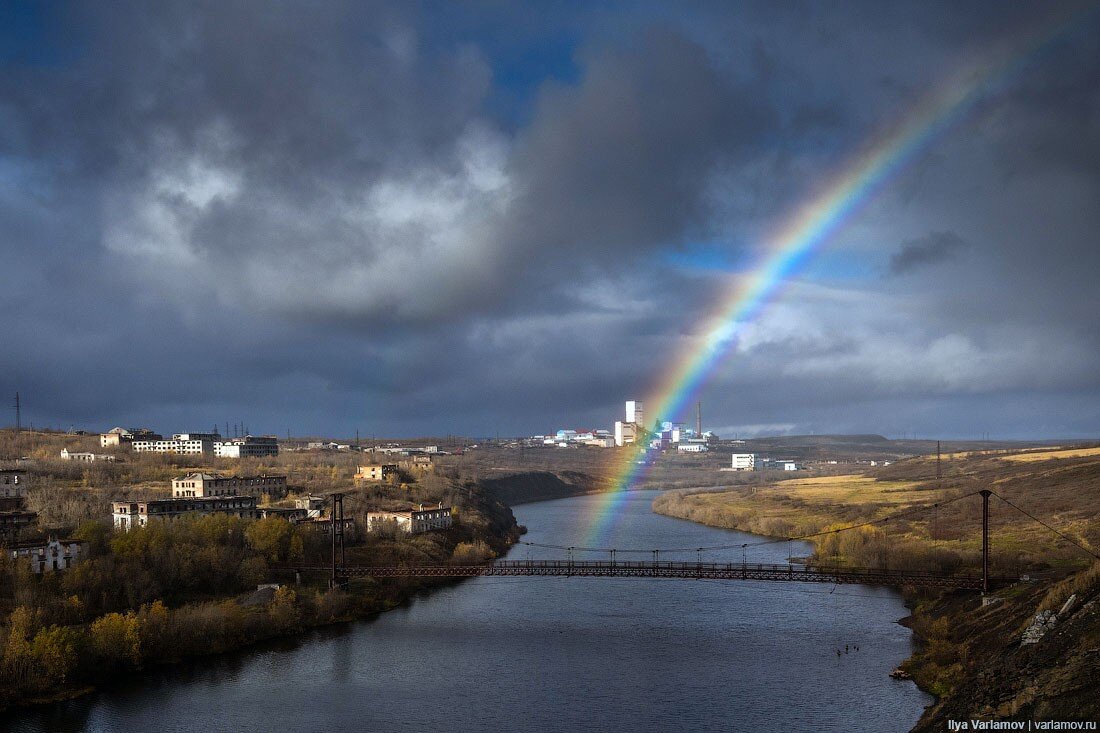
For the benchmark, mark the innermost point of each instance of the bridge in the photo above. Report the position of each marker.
(790, 572)
(808, 572)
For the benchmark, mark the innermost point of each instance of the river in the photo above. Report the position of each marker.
(555, 654)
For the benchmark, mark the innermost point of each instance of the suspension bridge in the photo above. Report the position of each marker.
(791, 571)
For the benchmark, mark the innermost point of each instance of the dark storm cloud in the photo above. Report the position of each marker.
(394, 217)
(932, 249)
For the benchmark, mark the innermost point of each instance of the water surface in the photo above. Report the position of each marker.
(556, 654)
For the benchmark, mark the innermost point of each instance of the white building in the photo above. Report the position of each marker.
(692, 447)
(413, 521)
(634, 412)
(250, 446)
(625, 433)
(116, 437)
(182, 443)
(50, 555)
(67, 455)
(743, 462)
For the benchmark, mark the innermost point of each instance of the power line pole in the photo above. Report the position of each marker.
(337, 527)
(18, 415)
(985, 540)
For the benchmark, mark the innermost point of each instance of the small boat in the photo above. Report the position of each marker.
(901, 674)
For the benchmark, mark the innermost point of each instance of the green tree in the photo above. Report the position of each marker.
(270, 537)
(283, 610)
(54, 653)
(116, 640)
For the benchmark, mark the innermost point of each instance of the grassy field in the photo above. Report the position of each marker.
(1063, 489)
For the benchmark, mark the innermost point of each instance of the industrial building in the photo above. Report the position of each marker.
(250, 446)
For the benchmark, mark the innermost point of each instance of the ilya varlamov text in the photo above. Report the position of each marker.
(956, 725)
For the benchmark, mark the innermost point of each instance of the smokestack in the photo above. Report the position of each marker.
(698, 419)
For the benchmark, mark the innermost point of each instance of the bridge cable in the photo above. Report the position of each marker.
(1064, 536)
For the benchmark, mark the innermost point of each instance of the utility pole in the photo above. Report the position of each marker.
(985, 540)
(18, 415)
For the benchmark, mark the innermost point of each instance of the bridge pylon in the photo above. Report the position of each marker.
(985, 540)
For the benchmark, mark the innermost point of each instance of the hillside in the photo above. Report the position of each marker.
(971, 655)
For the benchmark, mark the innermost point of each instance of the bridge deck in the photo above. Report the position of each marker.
(694, 570)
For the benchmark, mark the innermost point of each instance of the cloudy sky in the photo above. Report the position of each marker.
(506, 218)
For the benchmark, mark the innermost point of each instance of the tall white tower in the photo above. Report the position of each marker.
(634, 412)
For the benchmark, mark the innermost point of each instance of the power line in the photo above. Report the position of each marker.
(1064, 536)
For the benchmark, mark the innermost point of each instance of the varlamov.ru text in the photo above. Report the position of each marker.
(957, 725)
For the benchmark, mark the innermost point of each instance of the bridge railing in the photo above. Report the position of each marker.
(810, 572)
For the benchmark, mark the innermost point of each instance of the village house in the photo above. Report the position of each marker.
(129, 514)
(375, 473)
(50, 555)
(211, 484)
(411, 521)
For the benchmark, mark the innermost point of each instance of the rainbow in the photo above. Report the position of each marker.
(806, 232)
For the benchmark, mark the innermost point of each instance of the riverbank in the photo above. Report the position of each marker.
(970, 656)
(165, 593)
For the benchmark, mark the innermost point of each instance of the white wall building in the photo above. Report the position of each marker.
(625, 433)
(692, 447)
(249, 446)
(743, 462)
(67, 455)
(182, 443)
(116, 437)
(634, 412)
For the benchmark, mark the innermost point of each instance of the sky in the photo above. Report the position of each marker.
(505, 218)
